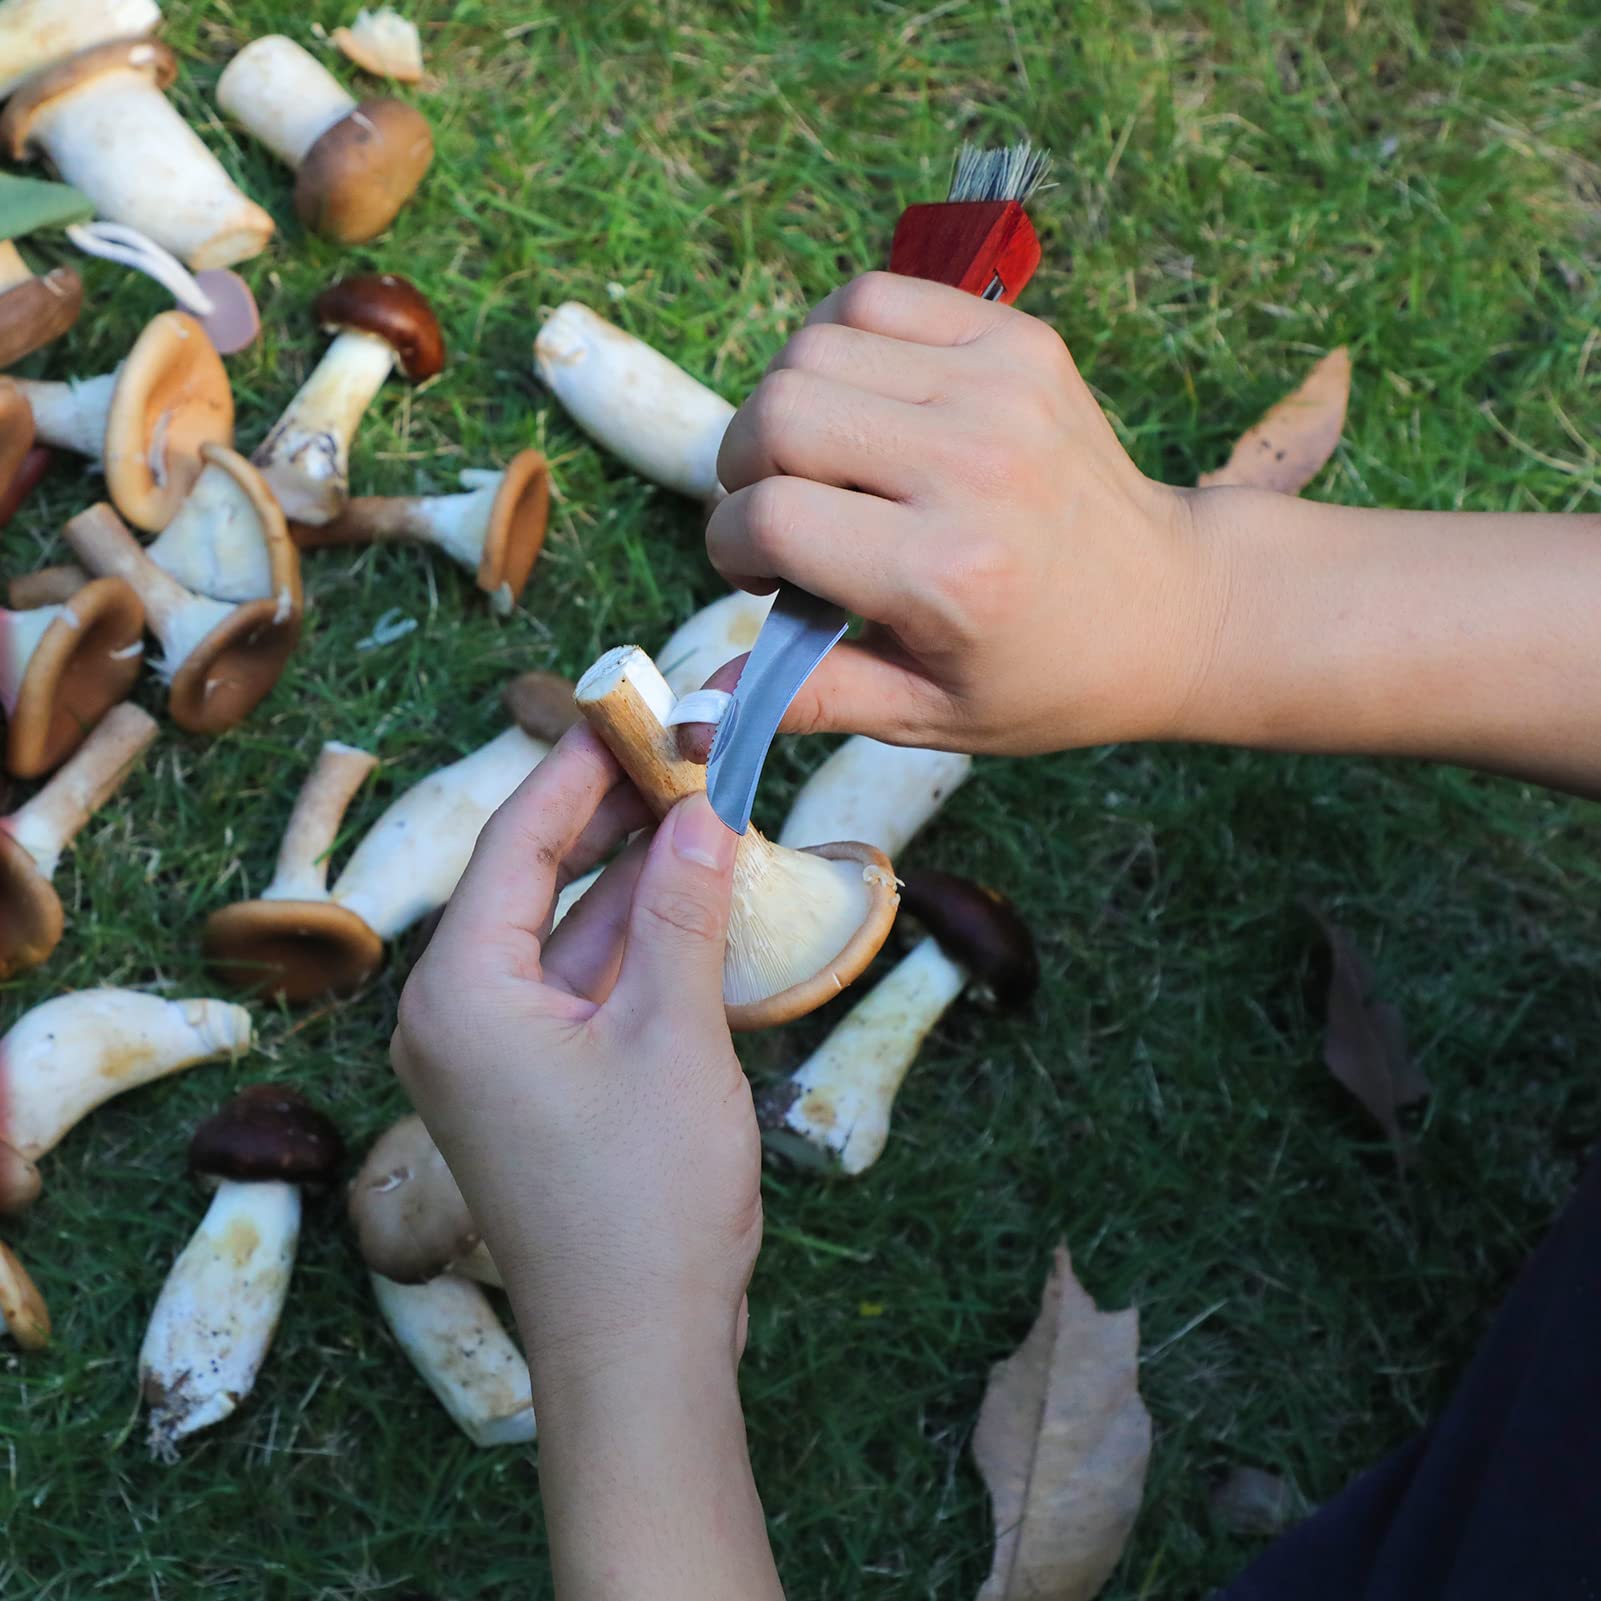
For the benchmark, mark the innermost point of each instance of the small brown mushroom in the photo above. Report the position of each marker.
(541, 704)
(23, 1314)
(33, 311)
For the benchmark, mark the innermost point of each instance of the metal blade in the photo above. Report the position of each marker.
(799, 632)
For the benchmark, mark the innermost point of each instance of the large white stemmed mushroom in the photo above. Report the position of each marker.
(804, 923)
(377, 323)
(104, 120)
(38, 33)
(214, 1320)
(879, 793)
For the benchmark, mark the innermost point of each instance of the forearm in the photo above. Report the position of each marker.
(1462, 637)
(646, 1481)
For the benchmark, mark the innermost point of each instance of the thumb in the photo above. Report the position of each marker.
(673, 955)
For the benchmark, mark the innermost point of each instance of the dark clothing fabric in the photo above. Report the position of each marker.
(1500, 1500)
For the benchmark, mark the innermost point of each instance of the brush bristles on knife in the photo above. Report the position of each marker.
(979, 237)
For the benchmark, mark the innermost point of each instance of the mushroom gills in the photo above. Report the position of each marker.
(20, 635)
(879, 794)
(218, 1310)
(283, 95)
(450, 1333)
(214, 545)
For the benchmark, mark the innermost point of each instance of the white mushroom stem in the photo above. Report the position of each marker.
(35, 33)
(50, 820)
(215, 545)
(216, 1315)
(283, 95)
(302, 870)
(633, 400)
(453, 1338)
(714, 635)
(71, 415)
(411, 859)
(13, 269)
(454, 524)
(879, 794)
(306, 457)
(178, 618)
(70, 1054)
(119, 140)
(844, 1090)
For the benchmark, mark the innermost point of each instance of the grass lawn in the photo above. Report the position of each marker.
(1240, 188)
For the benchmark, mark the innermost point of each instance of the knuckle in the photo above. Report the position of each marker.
(813, 349)
(769, 516)
(865, 301)
(775, 402)
(677, 915)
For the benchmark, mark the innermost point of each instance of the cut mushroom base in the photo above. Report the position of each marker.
(633, 400)
(450, 1333)
(103, 118)
(804, 923)
(410, 1217)
(35, 33)
(291, 940)
(33, 837)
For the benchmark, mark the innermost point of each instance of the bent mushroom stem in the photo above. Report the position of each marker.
(35, 33)
(715, 635)
(881, 794)
(450, 1333)
(804, 923)
(23, 1313)
(633, 400)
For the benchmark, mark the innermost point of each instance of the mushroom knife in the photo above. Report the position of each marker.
(978, 238)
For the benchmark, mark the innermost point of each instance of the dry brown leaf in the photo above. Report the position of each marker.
(1287, 448)
(1062, 1441)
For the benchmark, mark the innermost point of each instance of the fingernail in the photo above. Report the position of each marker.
(700, 836)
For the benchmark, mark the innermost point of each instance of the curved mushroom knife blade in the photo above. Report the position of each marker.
(978, 239)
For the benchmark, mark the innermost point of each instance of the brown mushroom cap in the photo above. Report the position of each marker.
(172, 398)
(84, 665)
(267, 1132)
(541, 704)
(232, 670)
(31, 919)
(517, 524)
(978, 928)
(410, 1218)
(19, 1180)
(35, 93)
(26, 1316)
(35, 312)
(294, 949)
(16, 431)
(356, 177)
(23, 482)
(389, 308)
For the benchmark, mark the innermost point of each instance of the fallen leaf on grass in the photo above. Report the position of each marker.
(1062, 1442)
(1252, 1501)
(1288, 447)
(1364, 1038)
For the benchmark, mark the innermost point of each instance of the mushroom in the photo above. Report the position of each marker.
(540, 704)
(450, 1332)
(410, 860)
(292, 940)
(383, 43)
(33, 310)
(834, 1109)
(377, 321)
(62, 667)
(715, 635)
(47, 586)
(355, 165)
(146, 422)
(22, 463)
(805, 923)
(633, 400)
(229, 540)
(33, 837)
(35, 33)
(495, 529)
(217, 1313)
(70, 1054)
(219, 658)
(23, 1314)
(103, 118)
(878, 793)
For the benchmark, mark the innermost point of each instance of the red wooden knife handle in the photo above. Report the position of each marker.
(968, 243)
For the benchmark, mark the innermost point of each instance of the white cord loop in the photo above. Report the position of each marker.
(112, 241)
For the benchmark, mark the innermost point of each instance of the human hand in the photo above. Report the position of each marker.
(934, 463)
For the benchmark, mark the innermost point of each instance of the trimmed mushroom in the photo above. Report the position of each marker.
(805, 923)
(715, 635)
(633, 400)
(834, 1110)
(220, 659)
(62, 667)
(377, 321)
(495, 529)
(355, 165)
(383, 43)
(146, 423)
(23, 1314)
(36, 33)
(541, 704)
(33, 310)
(410, 1217)
(229, 540)
(450, 1333)
(216, 1315)
(33, 837)
(878, 793)
(292, 940)
(68, 1055)
(103, 118)
(410, 860)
